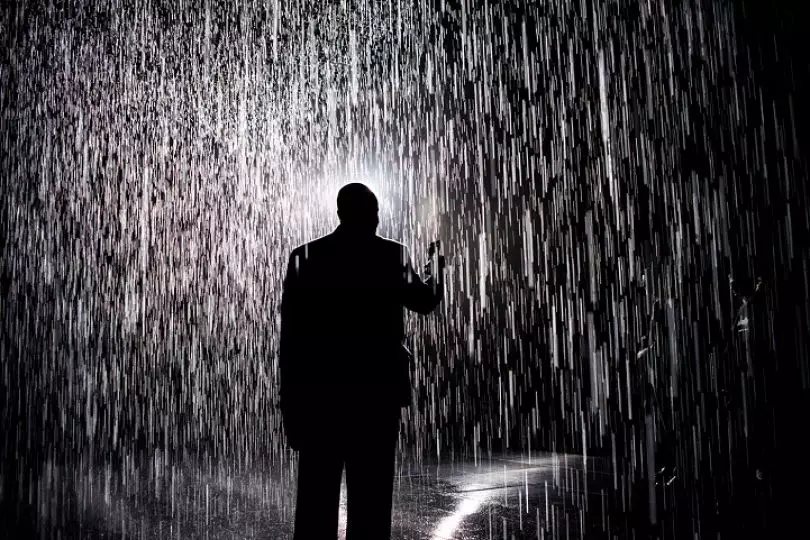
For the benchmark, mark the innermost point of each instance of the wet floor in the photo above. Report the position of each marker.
(501, 496)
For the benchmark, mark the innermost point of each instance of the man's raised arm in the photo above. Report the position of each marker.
(421, 296)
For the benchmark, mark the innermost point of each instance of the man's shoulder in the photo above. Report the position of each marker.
(397, 250)
(298, 251)
(384, 245)
(305, 248)
(390, 243)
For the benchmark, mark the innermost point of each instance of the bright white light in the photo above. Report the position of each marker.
(342, 511)
(375, 181)
(468, 505)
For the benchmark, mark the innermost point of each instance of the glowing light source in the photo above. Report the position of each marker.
(375, 180)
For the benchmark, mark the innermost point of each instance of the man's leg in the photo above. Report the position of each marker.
(370, 479)
(316, 509)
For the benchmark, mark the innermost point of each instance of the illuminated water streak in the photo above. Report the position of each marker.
(468, 505)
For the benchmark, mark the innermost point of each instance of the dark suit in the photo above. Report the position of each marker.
(344, 375)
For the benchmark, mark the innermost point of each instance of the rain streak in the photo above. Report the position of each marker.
(617, 186)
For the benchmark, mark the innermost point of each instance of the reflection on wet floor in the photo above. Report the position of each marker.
(528, 496)
(505, 496)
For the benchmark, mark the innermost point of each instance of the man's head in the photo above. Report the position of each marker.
(358, 208)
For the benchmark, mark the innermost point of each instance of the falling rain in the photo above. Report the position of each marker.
(619, 188)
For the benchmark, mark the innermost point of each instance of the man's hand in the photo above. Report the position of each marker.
(434, 251)
(418, 294)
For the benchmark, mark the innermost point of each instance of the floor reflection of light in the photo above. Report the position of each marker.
(342, 512)
(490, 482)
(470, 504)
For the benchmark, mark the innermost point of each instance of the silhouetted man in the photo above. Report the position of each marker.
(343, 372)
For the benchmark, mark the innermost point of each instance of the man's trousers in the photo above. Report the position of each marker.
(364, 443)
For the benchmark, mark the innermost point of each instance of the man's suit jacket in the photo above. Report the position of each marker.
(342, 327)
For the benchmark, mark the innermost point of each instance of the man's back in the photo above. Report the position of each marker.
(342, 317)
